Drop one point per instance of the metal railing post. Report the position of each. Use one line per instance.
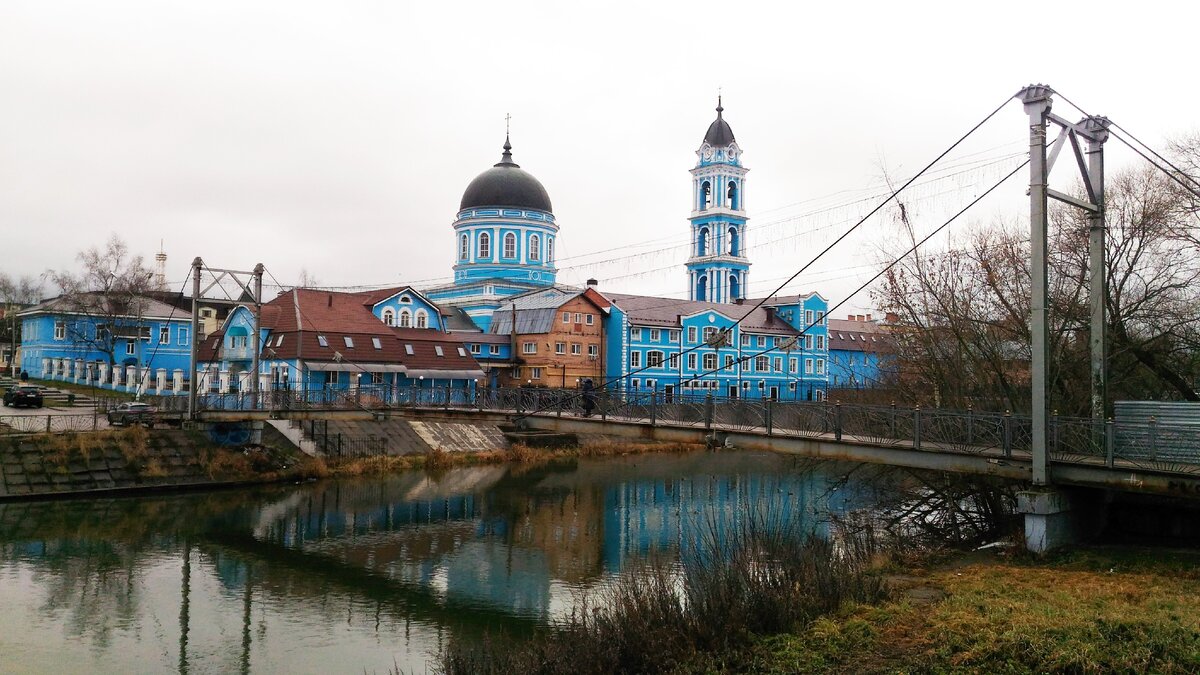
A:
(917, 428)
(1053, 433)
(654, 408)
(970, 426)
(1153, 439)
(1007, 424)
(893, 421)
(708, 410)
(837, 420)
(48, 418)
(768, 419)
(1110, 443)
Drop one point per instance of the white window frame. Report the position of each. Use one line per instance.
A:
(164, 335)
(654, 359)
(710, 361)
(528, 347)
(60, 330)
(130, 348)
(389, 317)
(510, 246)
(535, 248)
(691, 334)
(476, 349)
(422, 319)
(808, 366)
(560, 348)
(576, 349)
(485, 246)
(593, 350)
(566, 318)
(464, 247)
(182, 335)
(535, 373)
(655, 335)
(589, 319)
(635, 358)
(405, 319)
(691, 361)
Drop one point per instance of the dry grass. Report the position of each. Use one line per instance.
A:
(1087, 611)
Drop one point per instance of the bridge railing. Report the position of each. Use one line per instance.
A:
(1146, 444)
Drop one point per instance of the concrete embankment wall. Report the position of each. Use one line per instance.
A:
(401, 436)
(48, 465)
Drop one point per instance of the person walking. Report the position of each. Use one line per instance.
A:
(589, 397)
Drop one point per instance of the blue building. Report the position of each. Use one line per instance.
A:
(127, 343)
(374, 343)
(858, 349)
(504, 236)
(718, 268)
(676, 346)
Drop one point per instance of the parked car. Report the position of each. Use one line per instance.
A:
(23, 395)
(132, 413)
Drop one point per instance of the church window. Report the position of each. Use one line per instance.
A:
(405, 318)
(422, 319)
(389, 317)
(732, 195)
(535, 247)
(549, 249)
(705, 195)
(510, 245)
(485, 245)
(702, 244)
(464, 247)
(702, 289)
(735, 245)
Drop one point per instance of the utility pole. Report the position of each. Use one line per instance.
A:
(197, 266)
(255, 345)
(1094, 130)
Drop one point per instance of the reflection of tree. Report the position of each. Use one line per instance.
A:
(92, 584)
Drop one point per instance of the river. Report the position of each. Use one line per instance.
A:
(362, 575)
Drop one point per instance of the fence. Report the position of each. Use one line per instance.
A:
(1144, 443)
(48, 424)
(337, 444)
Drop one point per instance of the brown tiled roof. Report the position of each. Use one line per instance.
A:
(336, 316)
(858, 336)
(666, 312)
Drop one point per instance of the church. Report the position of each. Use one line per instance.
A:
(505, 233)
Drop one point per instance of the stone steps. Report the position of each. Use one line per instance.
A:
(54, 398)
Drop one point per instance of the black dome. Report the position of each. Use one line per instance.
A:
(506, 184)
(719, 132)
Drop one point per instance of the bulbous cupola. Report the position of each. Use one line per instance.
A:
(504, 236)
(506, 184)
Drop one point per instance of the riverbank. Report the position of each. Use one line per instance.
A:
(1092, 609)
(1086, 610)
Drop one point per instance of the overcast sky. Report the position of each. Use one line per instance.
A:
(337, 137)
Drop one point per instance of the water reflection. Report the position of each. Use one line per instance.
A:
(358, 575)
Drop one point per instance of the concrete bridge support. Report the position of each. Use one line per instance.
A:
(1057, 517)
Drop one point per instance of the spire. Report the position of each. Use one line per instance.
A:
(506, 158)
(720, 109)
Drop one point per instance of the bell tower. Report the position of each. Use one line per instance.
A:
(718, 267)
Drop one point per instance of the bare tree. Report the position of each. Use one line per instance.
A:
(14, 294)
(105, 300)
(963, 336)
